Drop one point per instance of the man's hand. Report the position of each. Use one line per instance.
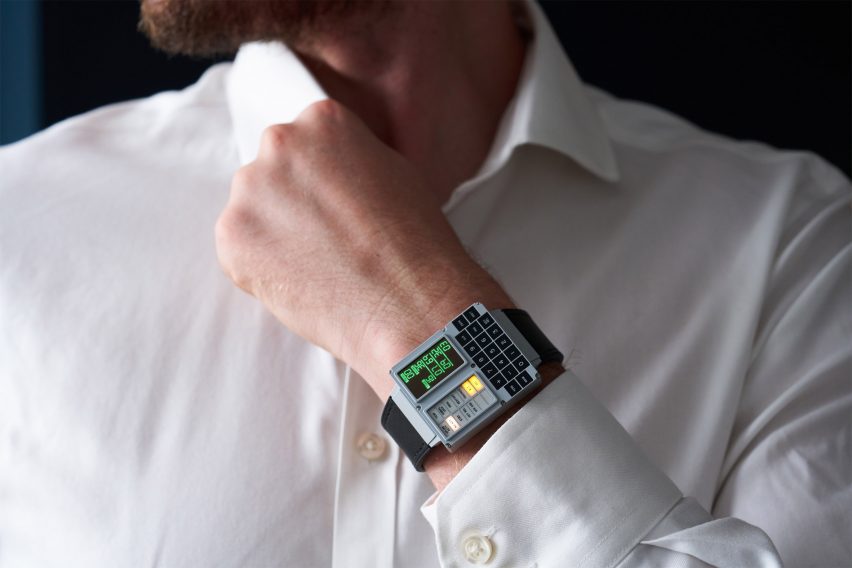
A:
(340, 237)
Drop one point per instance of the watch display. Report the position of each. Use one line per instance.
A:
(430, 367)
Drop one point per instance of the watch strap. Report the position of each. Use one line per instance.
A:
(536, 338)
(404, 434)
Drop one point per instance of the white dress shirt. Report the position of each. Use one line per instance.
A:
(151, 414)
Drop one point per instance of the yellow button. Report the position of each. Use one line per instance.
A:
(477, 384)
(469, 388)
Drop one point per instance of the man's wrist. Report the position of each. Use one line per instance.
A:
(396, 334)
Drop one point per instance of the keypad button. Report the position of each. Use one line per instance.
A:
(452, 423)
(501, 361)
(464, 338)
(521, 363)
(481, 403)
(450, 404)
(485, 320)
(498, 381)
(474, 329)
(486, 398)
(511, 372)
(471, 314)
(457, 397)
(524, 379)
(460, 322)
(513, 353)
(469, 410)
(513, 388)
(469, 388)
(483, 340)
(492, 350)
(480, 359)
(502, 341)
(495, 331)
(472, 348)
(472, 408)
(489, 369)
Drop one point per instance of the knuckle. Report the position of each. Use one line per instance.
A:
(275, 137)
(233, 225)
(244, 179)
(324, 110)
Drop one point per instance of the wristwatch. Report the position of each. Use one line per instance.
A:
(463, 377)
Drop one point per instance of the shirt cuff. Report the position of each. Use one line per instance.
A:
(561, 483)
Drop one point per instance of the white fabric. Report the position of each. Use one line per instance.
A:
(152, 414)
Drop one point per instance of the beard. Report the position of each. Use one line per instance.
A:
(206, 28)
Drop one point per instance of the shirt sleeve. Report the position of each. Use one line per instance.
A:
(599, 501)
(590, 504)
(788, 465)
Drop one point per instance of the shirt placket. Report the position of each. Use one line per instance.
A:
(366, 484)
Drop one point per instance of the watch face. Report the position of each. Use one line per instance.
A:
(456, 381)
(430, 366)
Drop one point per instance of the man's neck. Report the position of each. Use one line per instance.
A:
(430, 79)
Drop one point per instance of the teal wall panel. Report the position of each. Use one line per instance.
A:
(20, 69)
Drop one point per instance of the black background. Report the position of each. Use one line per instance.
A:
(777, 72)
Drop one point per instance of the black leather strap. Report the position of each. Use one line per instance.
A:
(531, 332)
(404, 434)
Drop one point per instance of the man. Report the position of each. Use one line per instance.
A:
(396, 164)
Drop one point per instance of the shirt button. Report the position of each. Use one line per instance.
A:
(478, 549)
(370, 446)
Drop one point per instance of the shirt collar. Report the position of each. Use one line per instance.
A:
(269, 85)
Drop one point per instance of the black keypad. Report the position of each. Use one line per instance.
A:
(486, 320)
(511, 372)
(513, 353)
(463, 338)
(492, 350)
(472, 348)
(501, 361)
(480, 359)
(471, 314)
(524, 379)
(495, 331)
(521, 363)
(460, 322)
(483, 340)
(489, 369)
(498, 381)
(513, 388)
(474, 329)
(502, 341)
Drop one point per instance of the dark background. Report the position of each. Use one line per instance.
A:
(778, 72)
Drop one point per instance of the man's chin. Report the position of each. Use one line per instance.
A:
(194, 27)
(217, 27)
